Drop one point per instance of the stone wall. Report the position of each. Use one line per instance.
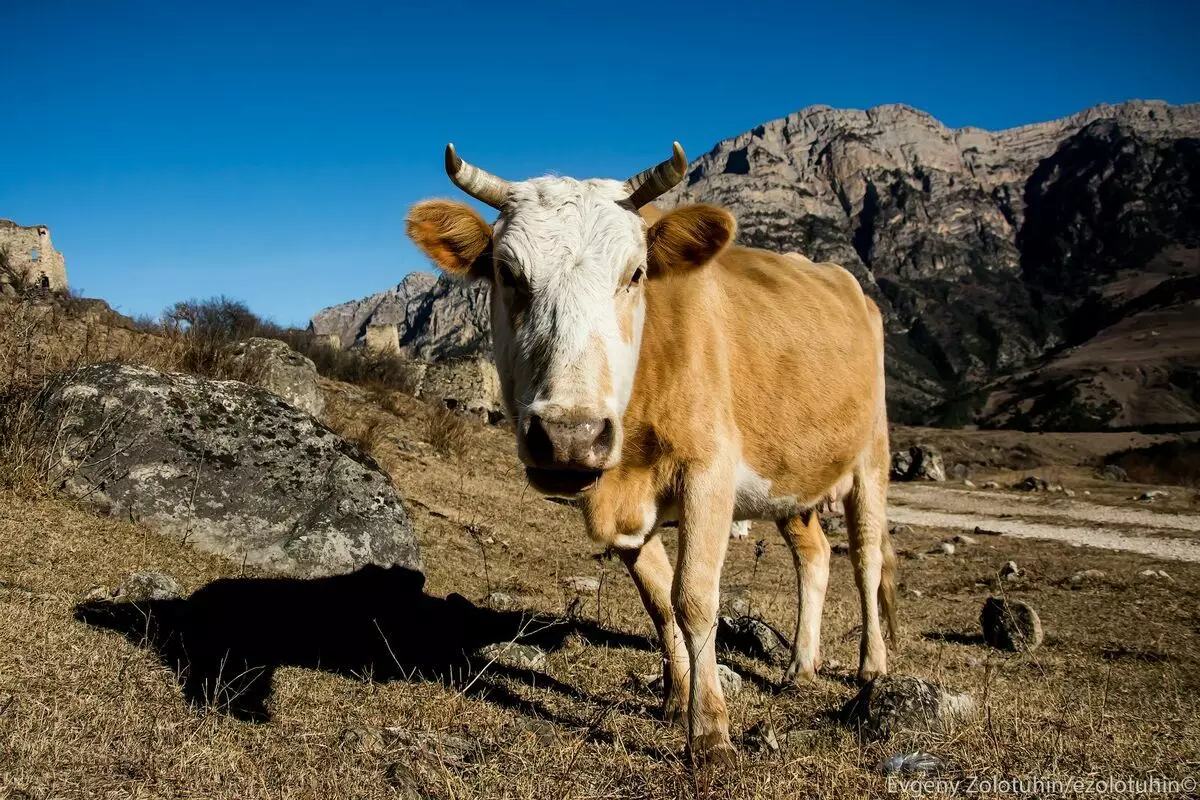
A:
(382, 339)
(31, 258)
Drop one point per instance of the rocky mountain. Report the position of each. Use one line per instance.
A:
(436, 317)
(1044, 276)
(996, 256)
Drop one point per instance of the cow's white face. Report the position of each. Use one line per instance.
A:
(569, 262)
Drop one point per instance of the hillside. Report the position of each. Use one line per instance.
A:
(1044, 276)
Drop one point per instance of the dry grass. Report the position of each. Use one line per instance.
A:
(85, 713)
(449, 433)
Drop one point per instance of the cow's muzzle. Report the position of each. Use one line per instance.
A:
(566, 453)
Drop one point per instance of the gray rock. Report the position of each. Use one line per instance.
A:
(512, 654)
(960, 471)
(1010, 571)
(1031, 484)
(229, 468)
(731, 682)
(944, 548)
(761, 738)
(1085, 576)
(755, 638)
(963, 539)
(892, 704)
(582, 584)
(989, 485)
(1113, 472)
(918, 463)
(280, 370)
(1010, 625)
(1152, 495)
(140, 587)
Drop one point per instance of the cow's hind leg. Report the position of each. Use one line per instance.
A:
(810, 553)
(652, 574)
(871, 555)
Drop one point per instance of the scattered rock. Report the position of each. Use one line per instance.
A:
(1069, 492)
(916, 592)
(943, 548)
(985, 532)
(1155, 573)
(280, 370)
(440, 747)
(1010, 625)
(581, 584)
(960, 471)
(833, 525)
(227, 467)
(141, 587)
(915, 763)
(1031, 484)
(512, 654)
(1010, 571)
(731, 682)
(898, 530)
(969, 484)
(1113, 472)
(963, 539)
(736, 602)
(1057, 488)
(500, 601)
(755, 638)
(1152, 495)
(761, 738)
(989, 485)
(364, 740)
(1085, 576)
(919, 462)
(891, 704)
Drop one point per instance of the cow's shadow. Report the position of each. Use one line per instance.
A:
(225, 641)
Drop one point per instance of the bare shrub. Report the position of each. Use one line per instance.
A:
(449, 433)
(1173, 463)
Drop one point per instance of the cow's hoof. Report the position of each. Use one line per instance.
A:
(800, 675)
(868, 674)
(712, 749)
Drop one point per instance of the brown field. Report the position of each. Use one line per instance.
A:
(88, 713)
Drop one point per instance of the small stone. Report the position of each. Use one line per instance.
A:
(969, 484)
(738, 606)
(989, 485)
(364, 740)
(899, 530)
(582, 584)
(761, 738)
(1010, 625)
(890, 704)
(731, 682)
(97, 593)
(916, 592)
(521, 656)
(141, 587)
(831, 665)
(944, 548)
(1152, 495)
(963, 539)
(1031, 484)
(500, 601)
(1056, 487)
(840, 548)
(960, 471)
(1085, 576)
(755, 638)
(985, 532)
(1010, 571)
(1069, 492)
(916, 763)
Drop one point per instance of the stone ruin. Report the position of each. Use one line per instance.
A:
(28, 260)
(382, 339)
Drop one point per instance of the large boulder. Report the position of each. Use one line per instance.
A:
(282, 371)
(892, 704)
(227, 467)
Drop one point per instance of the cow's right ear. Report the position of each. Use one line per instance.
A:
(453, 236)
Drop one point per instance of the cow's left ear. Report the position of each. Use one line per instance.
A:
(453, 236)
(688, 237)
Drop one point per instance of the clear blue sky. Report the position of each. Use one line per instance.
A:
(269, 150)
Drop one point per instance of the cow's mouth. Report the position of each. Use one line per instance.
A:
(561, 482)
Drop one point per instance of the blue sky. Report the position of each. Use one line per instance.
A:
(269, 150)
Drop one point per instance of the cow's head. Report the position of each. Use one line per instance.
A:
(568, 261)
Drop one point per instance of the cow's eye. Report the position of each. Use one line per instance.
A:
(638, 274)
(507, 278)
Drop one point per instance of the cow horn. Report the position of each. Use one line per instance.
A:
(483, 186)
(646, 186)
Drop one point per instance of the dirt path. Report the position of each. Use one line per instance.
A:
(1063, 520)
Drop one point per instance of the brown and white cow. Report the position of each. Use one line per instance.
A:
(654, 372)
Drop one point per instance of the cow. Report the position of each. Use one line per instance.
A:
(654, 372)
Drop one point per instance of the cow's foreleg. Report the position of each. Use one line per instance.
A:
(866, 523)
(705, 511)
(652, 574)
(810, 553)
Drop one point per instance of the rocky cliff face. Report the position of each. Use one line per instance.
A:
(987, 251)
(1042, 276)
(436, 317)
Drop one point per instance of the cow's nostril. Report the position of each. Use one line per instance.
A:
(538, 443)
(602, 445)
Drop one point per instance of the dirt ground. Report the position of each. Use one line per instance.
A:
(87, 712)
